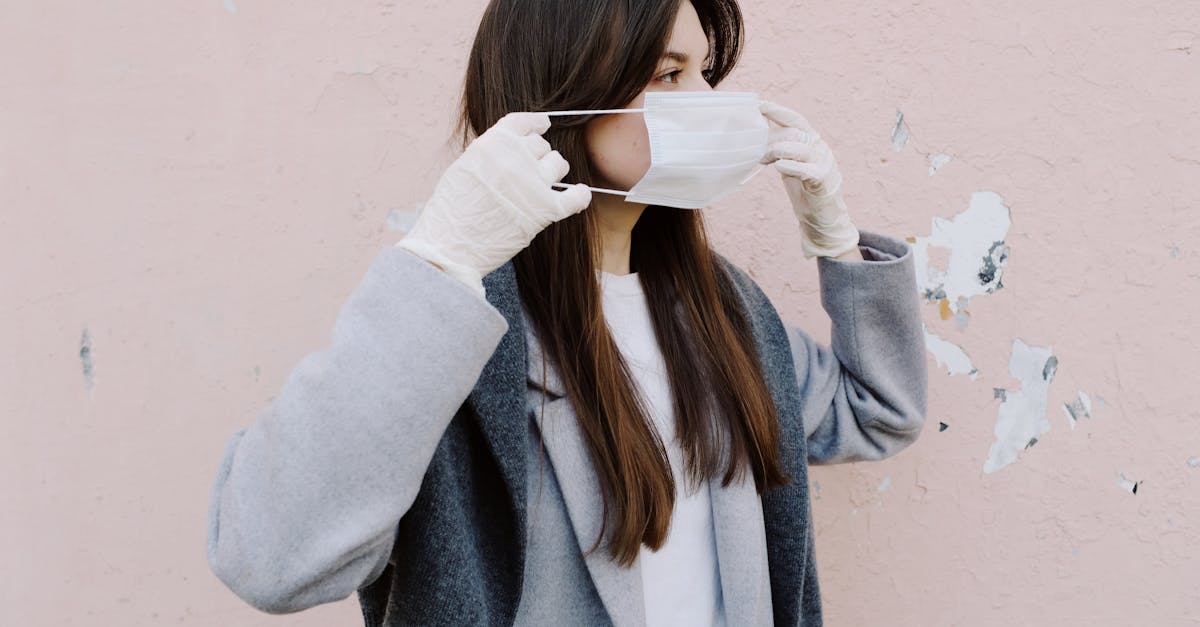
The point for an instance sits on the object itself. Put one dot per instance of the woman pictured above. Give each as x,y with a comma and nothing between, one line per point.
563,407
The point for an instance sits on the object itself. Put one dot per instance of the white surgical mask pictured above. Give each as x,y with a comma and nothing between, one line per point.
704,145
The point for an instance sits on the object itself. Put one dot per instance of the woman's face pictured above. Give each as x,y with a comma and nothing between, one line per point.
618,144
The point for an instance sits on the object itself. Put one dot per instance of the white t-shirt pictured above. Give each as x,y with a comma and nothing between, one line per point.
681,582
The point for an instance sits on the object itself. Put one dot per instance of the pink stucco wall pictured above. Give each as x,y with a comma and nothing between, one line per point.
188,191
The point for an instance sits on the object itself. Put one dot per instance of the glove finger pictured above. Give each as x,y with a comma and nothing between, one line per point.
537,145
793,134
803,171
789,150
553,167
574,199
784,116
816,179
525,122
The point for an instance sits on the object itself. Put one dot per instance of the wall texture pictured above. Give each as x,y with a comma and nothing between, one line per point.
188,191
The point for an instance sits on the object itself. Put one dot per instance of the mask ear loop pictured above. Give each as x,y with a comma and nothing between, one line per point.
592,112
603,190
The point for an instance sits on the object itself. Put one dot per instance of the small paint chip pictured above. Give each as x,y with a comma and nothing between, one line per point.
1194,462
885,484
85,356
1050,367
1127,484
942,427
229,6
1181,41
937,161
1079,408
989,271
899,133
962,316
944,311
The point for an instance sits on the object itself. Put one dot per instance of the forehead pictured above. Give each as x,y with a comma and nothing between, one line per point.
687,35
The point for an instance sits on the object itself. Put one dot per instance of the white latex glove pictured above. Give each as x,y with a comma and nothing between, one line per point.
491,202
813,183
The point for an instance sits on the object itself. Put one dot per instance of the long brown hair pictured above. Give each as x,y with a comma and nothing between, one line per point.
544,55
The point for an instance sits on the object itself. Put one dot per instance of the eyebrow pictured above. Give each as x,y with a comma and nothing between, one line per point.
682,57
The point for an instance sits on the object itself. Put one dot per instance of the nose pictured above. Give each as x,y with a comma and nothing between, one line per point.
696,82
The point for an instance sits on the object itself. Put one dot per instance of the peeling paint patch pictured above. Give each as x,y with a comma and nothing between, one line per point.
1127,484
978,253
1000,393
936,161
402,219
899,133
85,356
885,484
942,427
229,6
1194,462
1079,408
946,352
1022,415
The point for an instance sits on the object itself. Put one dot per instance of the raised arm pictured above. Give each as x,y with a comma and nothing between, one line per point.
864,396
307,498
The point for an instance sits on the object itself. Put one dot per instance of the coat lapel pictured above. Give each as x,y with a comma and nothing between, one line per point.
498,399
787,513
741,552
620,589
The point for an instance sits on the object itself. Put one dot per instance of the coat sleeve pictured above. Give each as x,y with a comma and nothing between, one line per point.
863,397
307,498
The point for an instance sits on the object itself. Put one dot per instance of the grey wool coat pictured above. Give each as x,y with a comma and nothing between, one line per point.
411,461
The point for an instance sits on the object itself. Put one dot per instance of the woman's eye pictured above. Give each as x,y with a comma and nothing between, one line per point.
674,74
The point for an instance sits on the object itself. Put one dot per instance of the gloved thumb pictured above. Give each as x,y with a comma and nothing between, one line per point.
572,200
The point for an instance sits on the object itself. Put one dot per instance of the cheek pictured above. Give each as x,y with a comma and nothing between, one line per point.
619,148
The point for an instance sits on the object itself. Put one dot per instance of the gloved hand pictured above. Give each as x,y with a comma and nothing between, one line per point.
813,183
491,202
